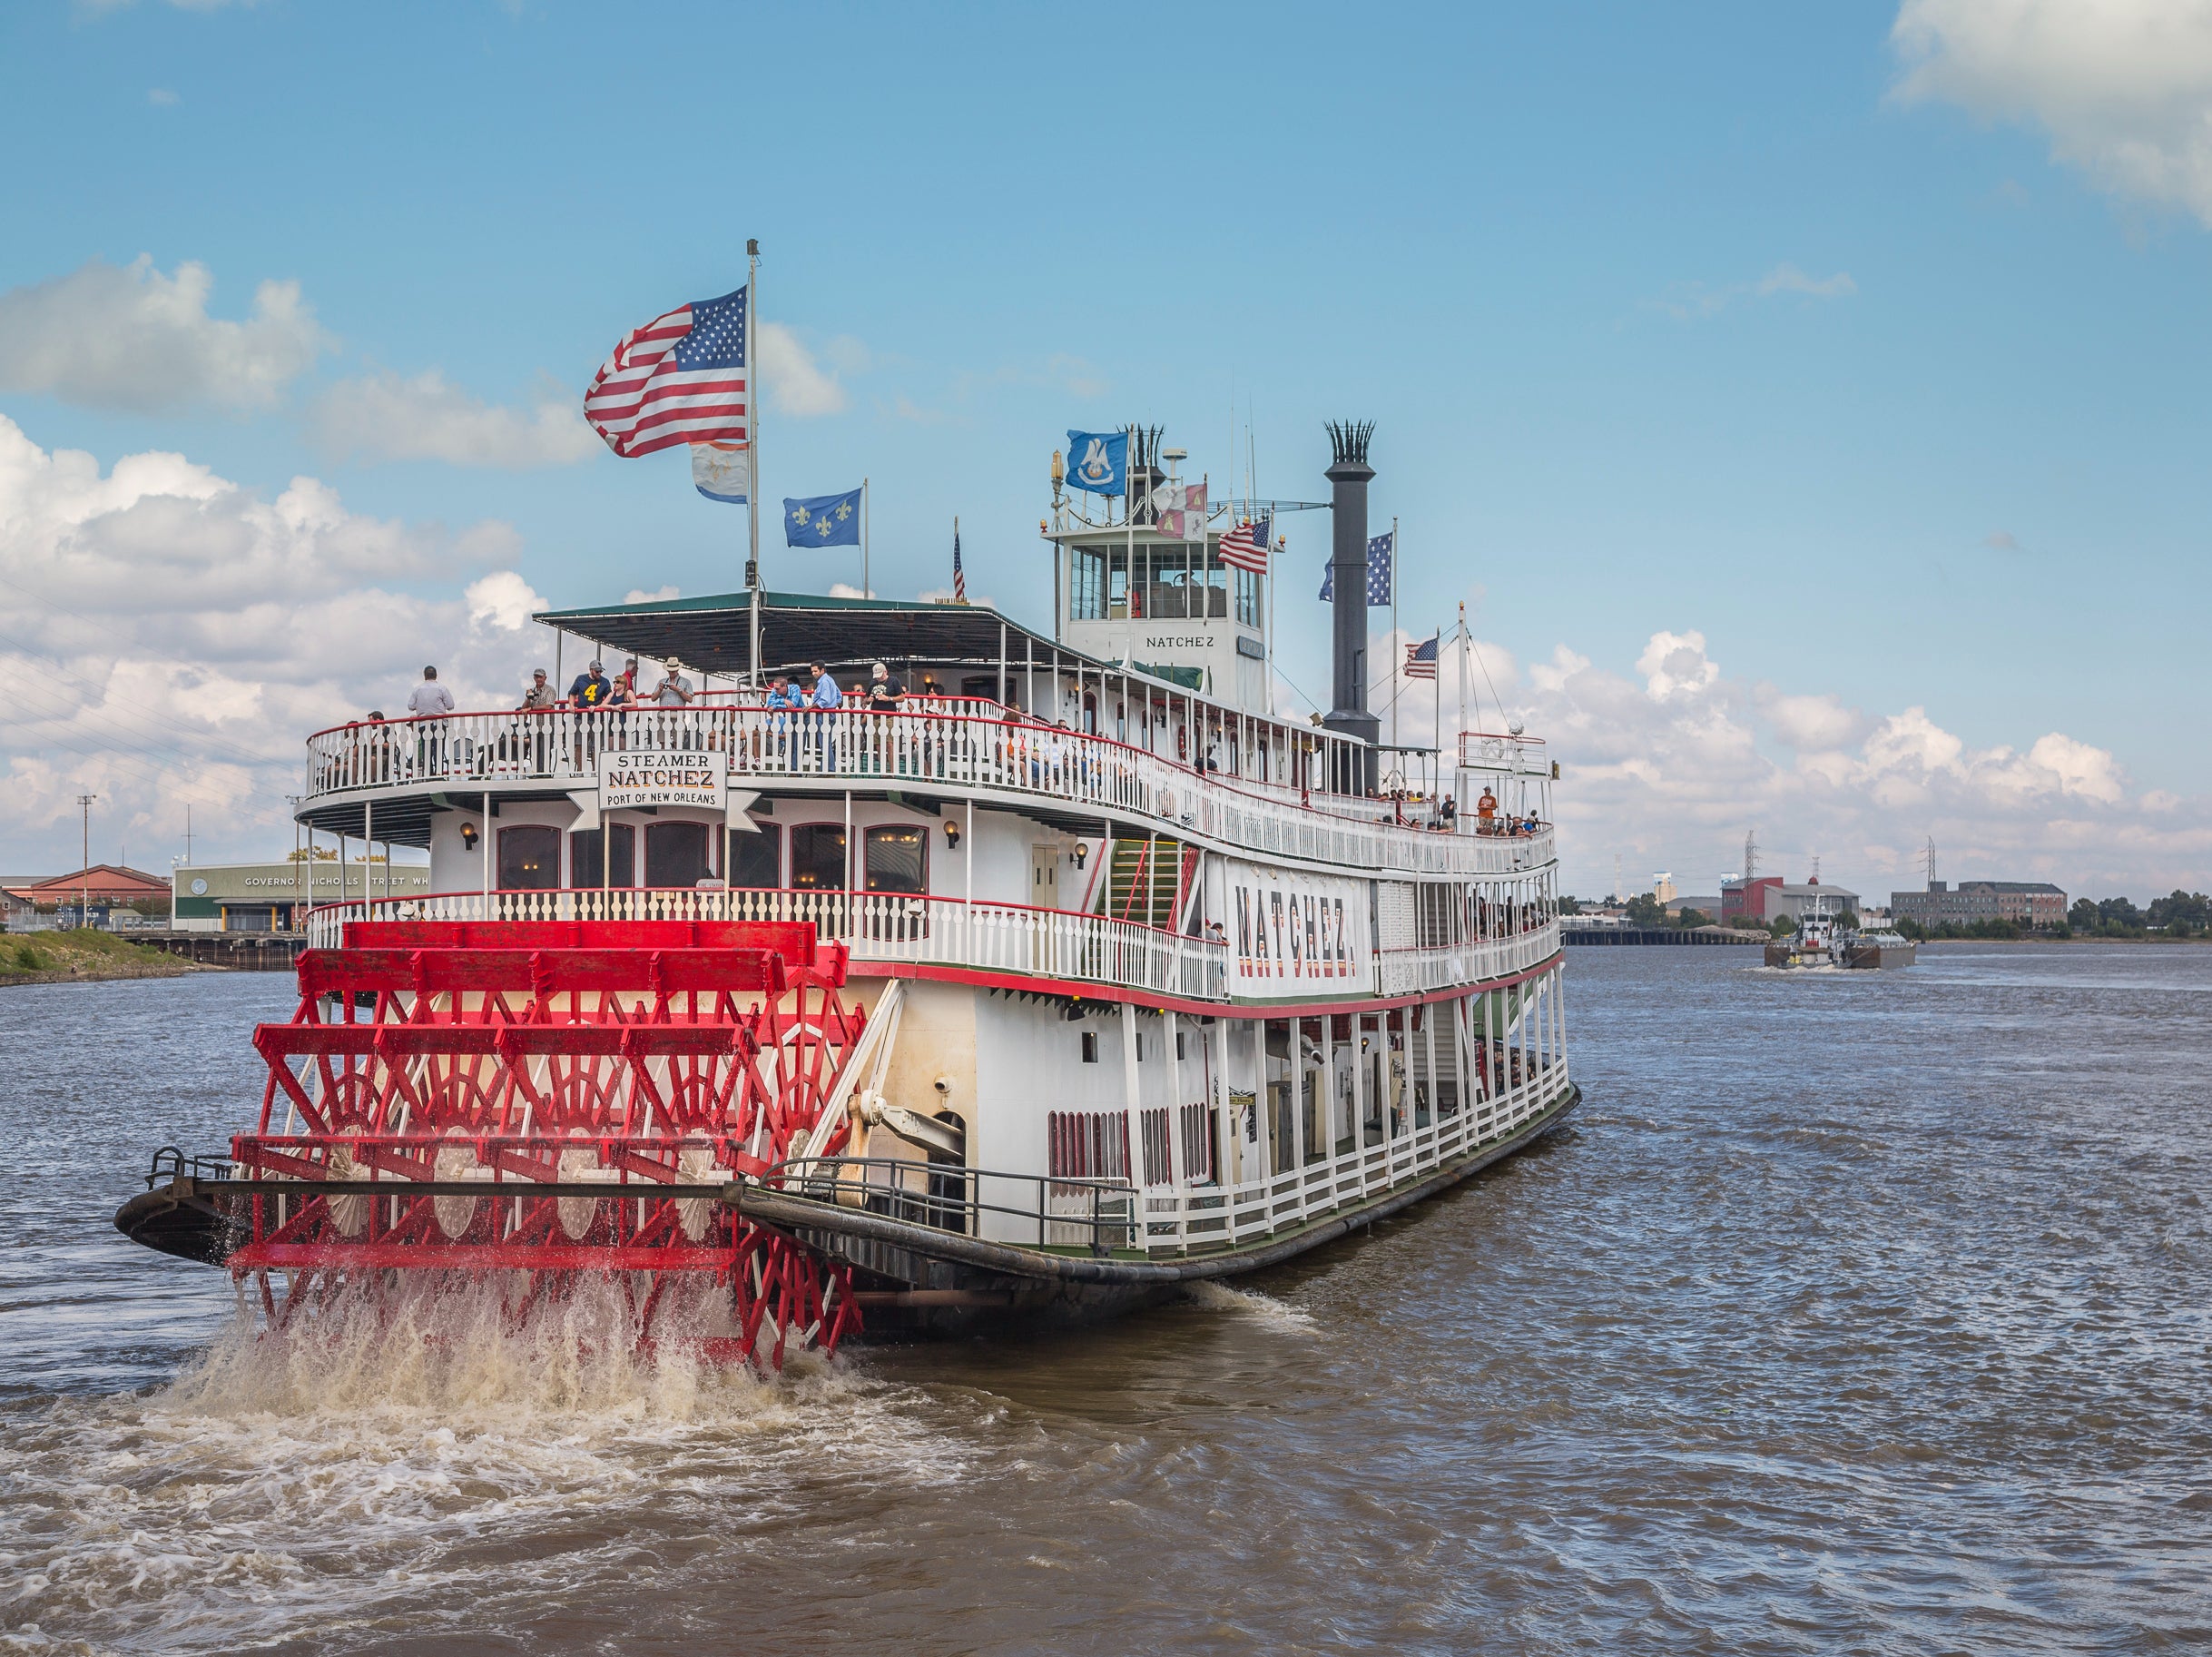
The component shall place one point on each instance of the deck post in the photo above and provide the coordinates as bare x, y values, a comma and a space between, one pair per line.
1227, 1166
1300, 1091
1263, 1127
1134, 1107
1178, 1165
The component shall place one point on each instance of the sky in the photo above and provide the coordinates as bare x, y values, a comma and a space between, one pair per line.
1808, 404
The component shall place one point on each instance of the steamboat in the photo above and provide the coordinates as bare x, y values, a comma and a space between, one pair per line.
1075, 975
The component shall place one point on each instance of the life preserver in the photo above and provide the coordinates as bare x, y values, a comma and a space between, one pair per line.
1182, 741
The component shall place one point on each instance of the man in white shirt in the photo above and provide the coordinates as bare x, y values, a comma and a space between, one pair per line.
826, 698
675, 690
430, 700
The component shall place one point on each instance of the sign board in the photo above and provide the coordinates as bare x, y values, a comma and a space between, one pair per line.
1294, 935
698, 777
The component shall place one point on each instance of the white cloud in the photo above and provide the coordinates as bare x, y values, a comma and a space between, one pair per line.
660, 594
387, 418
1692, 302
127, 336
1786, 278
1669, 769
160, 97
801, 387
502, 600
845, 590
174, 636
2123, 87
2001, 540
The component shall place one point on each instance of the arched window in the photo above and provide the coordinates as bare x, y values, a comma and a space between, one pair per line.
756, 859
676, 854
529, 858
614, 864
817, 855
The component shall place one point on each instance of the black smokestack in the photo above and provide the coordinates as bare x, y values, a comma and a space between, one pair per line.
1348, 478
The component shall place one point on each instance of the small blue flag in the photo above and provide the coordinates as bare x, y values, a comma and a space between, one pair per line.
1099, 461
823, 520
1379, 557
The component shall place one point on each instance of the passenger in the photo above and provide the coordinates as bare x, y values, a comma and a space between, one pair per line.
590, 692
825, 700
539, 697
1448, 815
625, 693
674, 689
884, 692
591, 689
430, 699
1486, 811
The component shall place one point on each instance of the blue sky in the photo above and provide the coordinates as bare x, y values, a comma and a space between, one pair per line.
1890, 391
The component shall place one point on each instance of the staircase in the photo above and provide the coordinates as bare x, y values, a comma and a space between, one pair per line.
1145, 878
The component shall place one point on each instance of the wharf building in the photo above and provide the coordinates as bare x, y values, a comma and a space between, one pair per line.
2036, 905
1758, 901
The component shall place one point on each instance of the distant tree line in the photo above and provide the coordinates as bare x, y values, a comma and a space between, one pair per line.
2180, 915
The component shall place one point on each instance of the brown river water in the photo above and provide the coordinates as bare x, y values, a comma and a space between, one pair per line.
1852, 1312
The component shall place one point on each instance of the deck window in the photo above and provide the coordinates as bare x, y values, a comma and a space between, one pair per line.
757, 860
529, 858
897, 859
584, 852
1086, 584
818, 856
676, 854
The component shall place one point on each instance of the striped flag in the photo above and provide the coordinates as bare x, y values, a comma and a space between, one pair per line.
680, 378
1245, 546
959, 576
1420, 659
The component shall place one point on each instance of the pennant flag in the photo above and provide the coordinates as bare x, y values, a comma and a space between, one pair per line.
723, 471
823, 520
1379, 558
1183, 514
1245, 546
1099, 461
959, 576
1420, 659
680, 378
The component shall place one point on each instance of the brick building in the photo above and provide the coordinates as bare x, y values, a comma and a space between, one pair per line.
2036, 905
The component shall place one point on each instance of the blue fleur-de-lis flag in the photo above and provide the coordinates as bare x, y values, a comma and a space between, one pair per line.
823, 520
1381, 553
1099, 461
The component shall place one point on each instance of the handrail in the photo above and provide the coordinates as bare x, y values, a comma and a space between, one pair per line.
1014, 939
922, 750
1110, 1219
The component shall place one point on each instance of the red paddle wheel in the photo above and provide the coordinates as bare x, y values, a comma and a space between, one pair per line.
539, 1103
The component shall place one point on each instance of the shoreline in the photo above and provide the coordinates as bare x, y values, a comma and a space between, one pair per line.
85, 958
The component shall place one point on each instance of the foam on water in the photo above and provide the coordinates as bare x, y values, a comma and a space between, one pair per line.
1250, 1303
373, 1457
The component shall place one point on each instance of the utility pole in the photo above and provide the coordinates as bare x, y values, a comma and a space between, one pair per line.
1931, 859
84, 869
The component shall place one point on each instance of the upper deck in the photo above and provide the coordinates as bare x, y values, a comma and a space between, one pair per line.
1265, 792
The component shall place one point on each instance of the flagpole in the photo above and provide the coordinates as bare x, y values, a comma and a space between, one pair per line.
866, 591
753, 341
1436, 718
1456, 741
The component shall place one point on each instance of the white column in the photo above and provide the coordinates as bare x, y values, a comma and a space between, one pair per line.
1177, 1169
1359, 1095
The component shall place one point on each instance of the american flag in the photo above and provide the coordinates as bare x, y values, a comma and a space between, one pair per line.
1245, 546
1420, 659
1379, 552
959, 576
681, 378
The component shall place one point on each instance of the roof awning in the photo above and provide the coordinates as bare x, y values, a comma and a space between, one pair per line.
712, 634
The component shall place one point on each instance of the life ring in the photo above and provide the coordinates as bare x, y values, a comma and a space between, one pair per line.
1182, 741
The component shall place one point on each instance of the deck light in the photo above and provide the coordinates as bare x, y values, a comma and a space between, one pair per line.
952, 835
1082, 852
468, 836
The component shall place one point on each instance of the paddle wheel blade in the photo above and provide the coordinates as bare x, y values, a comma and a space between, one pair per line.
540, 1103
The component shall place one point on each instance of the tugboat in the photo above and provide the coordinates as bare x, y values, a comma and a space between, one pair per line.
1813, 944
1061, 974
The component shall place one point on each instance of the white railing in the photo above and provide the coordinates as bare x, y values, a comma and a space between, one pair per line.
1412, 971
962, 751
875, 926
